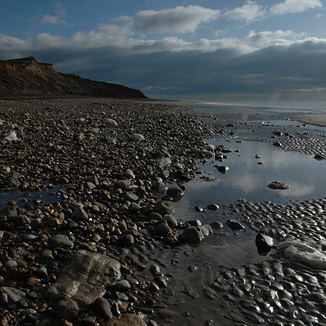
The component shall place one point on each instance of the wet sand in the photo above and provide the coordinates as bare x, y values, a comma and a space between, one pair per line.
314, 119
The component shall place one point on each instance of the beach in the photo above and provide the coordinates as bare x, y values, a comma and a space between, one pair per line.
91, 232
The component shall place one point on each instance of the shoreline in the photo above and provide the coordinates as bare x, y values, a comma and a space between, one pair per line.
110, 180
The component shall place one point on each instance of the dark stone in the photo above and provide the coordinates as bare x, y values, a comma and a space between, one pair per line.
319, 157
278, 185
164, 207
196, 234
162, 229
174, 192
234, 225
222, 168
264, 243
122, 286
60, 241
126, 240
277, 144
102, 306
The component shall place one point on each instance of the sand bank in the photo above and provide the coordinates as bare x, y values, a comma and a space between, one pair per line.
314, 119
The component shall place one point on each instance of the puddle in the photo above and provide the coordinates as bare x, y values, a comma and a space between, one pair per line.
48, 196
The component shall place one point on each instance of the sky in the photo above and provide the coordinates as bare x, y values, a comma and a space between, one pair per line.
205, 50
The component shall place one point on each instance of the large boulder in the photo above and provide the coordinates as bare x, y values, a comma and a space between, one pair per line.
81, 282
304, 253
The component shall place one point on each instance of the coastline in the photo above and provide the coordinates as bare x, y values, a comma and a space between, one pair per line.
104, 181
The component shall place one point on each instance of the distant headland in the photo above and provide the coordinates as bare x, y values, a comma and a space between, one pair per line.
27, 76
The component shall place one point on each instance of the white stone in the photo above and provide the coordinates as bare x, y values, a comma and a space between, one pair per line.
138, 137
303, 253
111, 122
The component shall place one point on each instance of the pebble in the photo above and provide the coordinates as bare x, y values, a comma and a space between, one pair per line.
102, 306
99, 210
60, 241
212, 207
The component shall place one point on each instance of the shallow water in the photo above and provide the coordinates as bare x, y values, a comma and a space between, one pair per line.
247, 179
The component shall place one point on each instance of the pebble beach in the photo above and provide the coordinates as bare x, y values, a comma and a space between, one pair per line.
90, 234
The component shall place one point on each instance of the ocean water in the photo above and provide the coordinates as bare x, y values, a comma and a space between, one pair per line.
280, 106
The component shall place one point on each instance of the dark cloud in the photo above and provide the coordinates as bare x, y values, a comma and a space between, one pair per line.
174, 67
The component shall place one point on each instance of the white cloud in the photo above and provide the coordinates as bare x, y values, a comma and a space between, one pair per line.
248, 12
51, 20
294, 6
56, 19
278, 37
174, 20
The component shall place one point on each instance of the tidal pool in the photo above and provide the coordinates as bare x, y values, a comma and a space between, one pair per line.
252, 166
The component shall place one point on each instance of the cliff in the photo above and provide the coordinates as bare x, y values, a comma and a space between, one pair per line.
27, 76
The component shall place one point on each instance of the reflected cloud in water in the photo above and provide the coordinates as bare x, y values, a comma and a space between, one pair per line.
247, 179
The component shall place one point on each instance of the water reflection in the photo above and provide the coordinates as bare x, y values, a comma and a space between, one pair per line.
305, 175
247, 179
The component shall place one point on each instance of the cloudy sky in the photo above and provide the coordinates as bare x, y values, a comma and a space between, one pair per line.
199, 50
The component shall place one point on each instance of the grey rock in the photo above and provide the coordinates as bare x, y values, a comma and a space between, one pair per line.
171, 220
134, 207
8, 212
129, 174
111, 122
196, 234
12, 136
304, 253
130, 196
13, 182
174, 192
79, 137
10, 295
277, 143
164, 207
319, 157
159, 188
79, 213
94, 179
10, 264
155, 216
90, 185
122, 286
67, 308
137, 137
123, 184
81, 282
60, 241
194, 222
102, 306
126, 240
163, 162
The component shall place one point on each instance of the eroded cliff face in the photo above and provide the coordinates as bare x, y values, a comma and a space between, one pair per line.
27, 76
